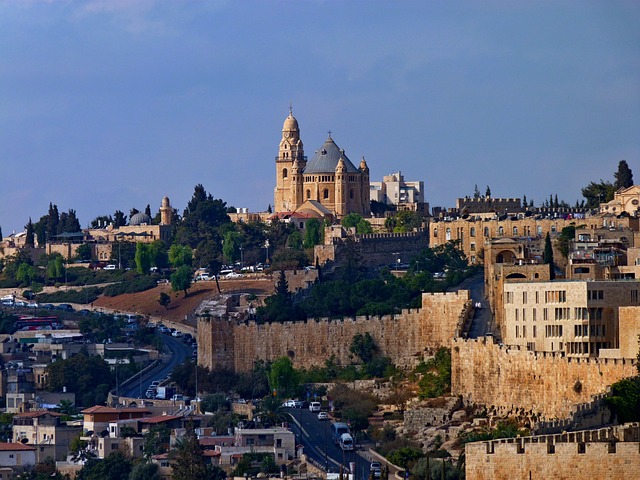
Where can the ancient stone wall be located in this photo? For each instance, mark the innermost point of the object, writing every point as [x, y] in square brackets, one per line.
[513, 381]
[372, 250]
[604, 453]
[226, 343]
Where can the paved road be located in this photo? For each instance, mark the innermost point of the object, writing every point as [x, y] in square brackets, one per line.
[178, 352]
[315, 436]
[482, 321]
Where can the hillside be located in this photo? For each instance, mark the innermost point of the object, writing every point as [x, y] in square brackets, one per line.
[146, 303]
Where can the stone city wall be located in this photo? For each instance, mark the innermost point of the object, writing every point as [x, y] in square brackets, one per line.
[513, 380]
[605, 453]
[235, 345]
[374, 249]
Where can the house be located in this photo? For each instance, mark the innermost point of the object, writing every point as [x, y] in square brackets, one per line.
[46, 431]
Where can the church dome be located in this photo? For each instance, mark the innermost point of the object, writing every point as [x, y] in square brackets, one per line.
[326, 159]
[290, 123]
[140, 219]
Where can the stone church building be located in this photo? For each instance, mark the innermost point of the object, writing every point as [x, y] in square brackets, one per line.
[326, 186]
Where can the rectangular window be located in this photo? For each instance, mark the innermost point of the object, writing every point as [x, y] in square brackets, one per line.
[524, 298]
[473, 247]
[534, 331]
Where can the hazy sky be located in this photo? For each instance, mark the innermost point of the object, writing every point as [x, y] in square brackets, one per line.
[112, 104]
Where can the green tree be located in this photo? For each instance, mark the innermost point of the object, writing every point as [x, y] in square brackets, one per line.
[89, 377]
[565, 238]
[143, 258]
[84, 252]
[159, 254]
[597, 193]
[180, 255]
[351, 220]
[164, 300]
[55, 267]
[189, 461]
[145, 471]
[119, 219]
[283, 378]
[29, 237]
[156, 441]
[295, 240]
[547, 256]
[313, 233]
[116, 466]
[26, 273]
[624, 176]
[231, 246]
[181, 279]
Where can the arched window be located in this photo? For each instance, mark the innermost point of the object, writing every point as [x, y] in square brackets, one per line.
[539, 230]
[515, 231]
[435, 232]
[308, 194]
[500, 231]
[325, 193]
[285, 174]
[448, 234]
[472, 232]
[351, 194]
[486, 231]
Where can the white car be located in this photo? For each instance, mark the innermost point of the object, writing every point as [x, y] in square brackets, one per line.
[234, 275]
[323, 416]
[289, 404]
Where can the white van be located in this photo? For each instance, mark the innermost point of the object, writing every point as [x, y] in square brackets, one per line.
[346, 441]
[314, 407]
[109, 267]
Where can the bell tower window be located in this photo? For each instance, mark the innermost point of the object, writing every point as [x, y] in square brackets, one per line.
[285, 174]
[325, 193]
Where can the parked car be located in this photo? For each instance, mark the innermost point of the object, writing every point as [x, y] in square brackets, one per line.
[323, 416]
[20, 303]
[234, 275]
[110, 267]
[177, 334]
[289, 404]
[65, 306]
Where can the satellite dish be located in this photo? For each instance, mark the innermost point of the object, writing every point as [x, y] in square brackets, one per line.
[104, 433]
[24, 440]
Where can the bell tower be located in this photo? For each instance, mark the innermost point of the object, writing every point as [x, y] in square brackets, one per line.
[290, 151]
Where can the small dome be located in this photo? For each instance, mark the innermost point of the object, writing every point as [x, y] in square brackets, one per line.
[165, 202]
[140, 219]
[290, 123]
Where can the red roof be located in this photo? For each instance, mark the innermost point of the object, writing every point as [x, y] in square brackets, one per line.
[159, 419]
[37, 414]
[212, 453]
[13, 447]
[103, 409]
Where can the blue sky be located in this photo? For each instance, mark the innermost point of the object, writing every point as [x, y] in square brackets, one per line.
[109, 105]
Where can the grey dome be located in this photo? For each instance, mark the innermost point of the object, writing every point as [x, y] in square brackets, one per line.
[140, 219]
[326, 159]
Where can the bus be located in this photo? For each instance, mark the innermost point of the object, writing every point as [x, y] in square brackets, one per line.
[337, 429]
[37, 323]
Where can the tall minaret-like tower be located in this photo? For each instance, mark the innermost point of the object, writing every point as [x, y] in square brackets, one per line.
[165, 211]
[291, 149]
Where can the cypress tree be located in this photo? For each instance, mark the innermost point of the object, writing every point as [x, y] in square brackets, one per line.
[547, 256]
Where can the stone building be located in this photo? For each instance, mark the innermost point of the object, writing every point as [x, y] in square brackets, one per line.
[329, 178]
[474, 231]
[45, 430]
[394, 190]
[577, 318]
[625, 200]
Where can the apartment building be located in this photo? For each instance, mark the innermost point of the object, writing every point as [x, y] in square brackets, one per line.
[578, 318]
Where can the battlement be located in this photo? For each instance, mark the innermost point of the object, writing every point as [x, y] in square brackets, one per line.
[521, 350]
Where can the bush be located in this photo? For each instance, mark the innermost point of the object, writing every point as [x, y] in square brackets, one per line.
[138, 284]
[86, 296]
